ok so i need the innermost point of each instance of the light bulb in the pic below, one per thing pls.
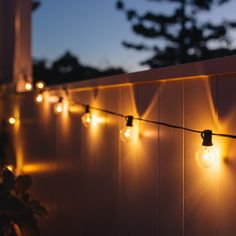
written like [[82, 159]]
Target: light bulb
[[12, 120], [58, 107], [39, 98], [40, 85], [127, 134], [206, 156], [86, 119], [10, 167], [28, 86]]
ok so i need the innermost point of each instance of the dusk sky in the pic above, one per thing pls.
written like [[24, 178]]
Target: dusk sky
[[93, 30]]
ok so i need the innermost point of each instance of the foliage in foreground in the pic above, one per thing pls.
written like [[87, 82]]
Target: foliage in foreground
[[17, 208]]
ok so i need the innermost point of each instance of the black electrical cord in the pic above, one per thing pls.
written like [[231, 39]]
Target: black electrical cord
[[168, 125], [145, 120], [156, 122], [225, 135]]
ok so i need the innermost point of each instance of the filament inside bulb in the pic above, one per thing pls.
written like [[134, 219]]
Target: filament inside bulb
[[12, 120], [206, 156], [40, 85], [58, 108], [127, 134], [28, 86], [39, 98]]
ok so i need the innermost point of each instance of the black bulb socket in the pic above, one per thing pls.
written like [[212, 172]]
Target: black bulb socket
[[207, 138], [87, 109], [129, 121], [60, 99]]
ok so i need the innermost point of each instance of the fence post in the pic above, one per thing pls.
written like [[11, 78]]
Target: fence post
[[15, 40]]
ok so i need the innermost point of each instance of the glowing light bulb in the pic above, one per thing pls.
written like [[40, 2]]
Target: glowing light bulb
[[10, 168], [39, 98], [28, 86], [12, 120], [86, 119], [40, 85], [206, 155], [127, 134], [58, 107]]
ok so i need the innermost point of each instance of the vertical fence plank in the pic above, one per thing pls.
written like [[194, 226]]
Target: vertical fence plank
[[226, 104], [171, 160], [138, 190], [200, 183]]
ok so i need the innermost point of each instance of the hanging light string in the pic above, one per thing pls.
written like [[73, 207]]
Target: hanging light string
[[153, 121], [41, 87], [225, 135], [168, 125], [205, 156], [101, 110]]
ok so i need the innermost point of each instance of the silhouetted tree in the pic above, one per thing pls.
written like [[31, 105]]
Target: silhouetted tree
[[35, 5], [68, 69], [181, 35]]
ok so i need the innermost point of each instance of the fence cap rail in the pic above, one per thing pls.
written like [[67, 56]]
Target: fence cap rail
[[201, 70]]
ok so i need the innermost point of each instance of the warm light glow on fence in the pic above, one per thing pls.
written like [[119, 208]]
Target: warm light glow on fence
[[76, 109], [206, 156], [38, 168], [52, 98]]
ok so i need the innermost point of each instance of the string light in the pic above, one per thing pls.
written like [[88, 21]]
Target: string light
[[206, 155], [87, 117], [28, 86], [10, 167], [40, 85], [58, 107], [39, 97], [127, 134], [12, 120]]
